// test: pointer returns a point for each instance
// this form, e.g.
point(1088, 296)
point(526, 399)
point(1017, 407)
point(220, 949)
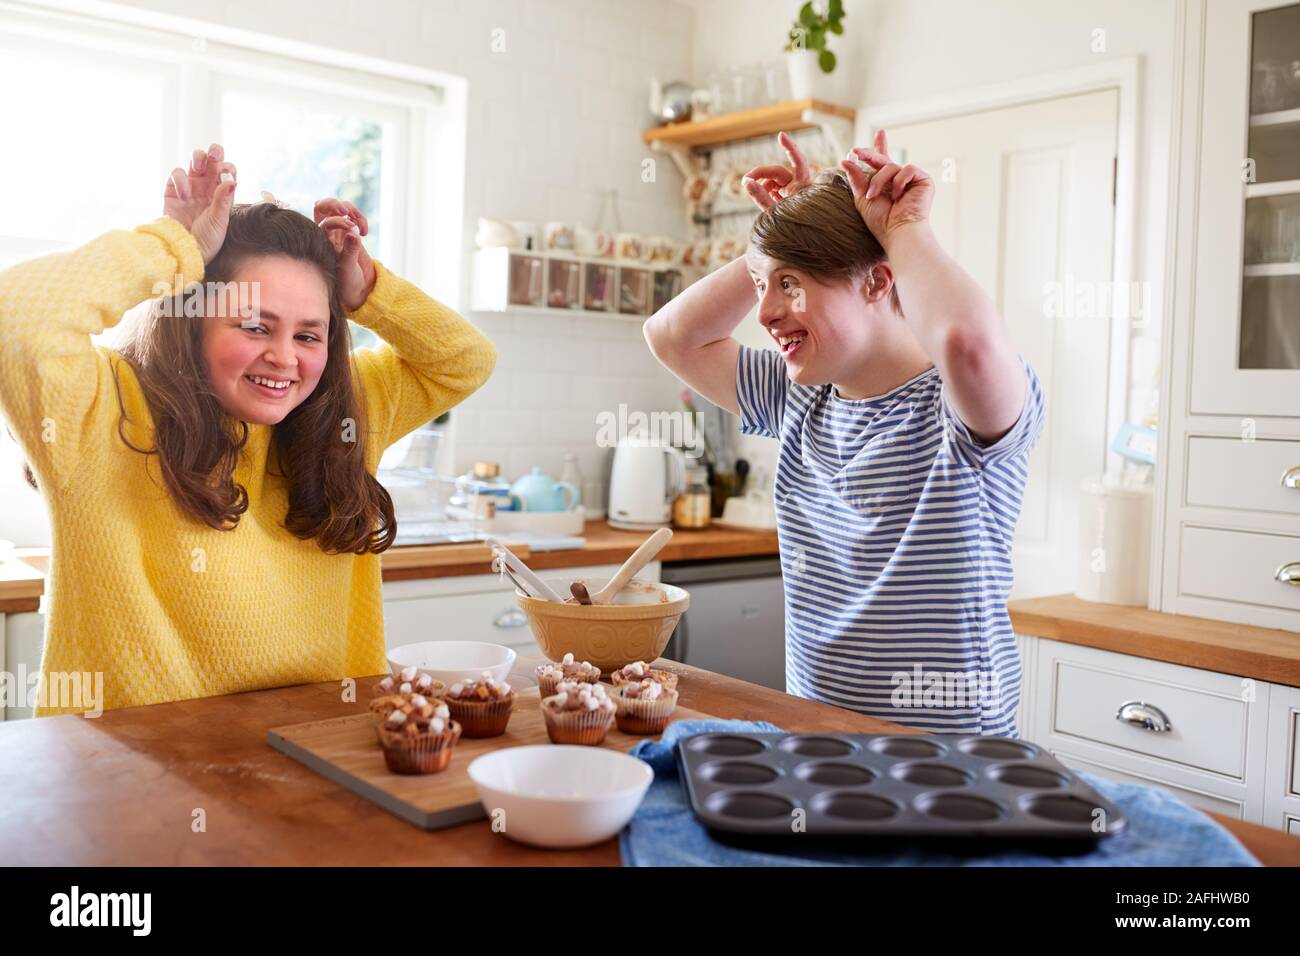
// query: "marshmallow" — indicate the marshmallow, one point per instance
point(418, 700)
point(387, 685)
point(409, 673)
point(437, 725)
point(442, 712)
point(405, 688)
point(456, 688)
point(396, 717)
point(568, 659)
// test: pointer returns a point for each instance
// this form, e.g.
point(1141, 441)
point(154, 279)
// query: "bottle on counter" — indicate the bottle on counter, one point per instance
point(693, 507)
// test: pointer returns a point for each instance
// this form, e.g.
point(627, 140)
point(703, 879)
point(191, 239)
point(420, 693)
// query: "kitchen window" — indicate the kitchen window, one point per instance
point(132, 101)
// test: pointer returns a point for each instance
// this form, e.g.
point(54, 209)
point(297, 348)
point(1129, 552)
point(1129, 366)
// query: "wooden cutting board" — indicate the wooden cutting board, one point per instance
point(346, 750)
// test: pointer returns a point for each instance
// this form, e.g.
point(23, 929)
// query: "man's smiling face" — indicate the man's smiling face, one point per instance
point(820, 326)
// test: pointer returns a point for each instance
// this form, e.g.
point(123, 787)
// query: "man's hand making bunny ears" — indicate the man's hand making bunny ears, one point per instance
point(345, 224)
point(200, 198)
point(888, 196)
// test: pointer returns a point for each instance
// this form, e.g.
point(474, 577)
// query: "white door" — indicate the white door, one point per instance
point(1024, 201)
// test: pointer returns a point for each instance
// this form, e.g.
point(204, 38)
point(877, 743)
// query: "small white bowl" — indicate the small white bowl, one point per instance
point(555, 795)
point(452, 661)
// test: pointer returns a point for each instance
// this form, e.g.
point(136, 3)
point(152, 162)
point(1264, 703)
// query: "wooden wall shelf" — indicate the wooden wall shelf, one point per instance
point(763, 120)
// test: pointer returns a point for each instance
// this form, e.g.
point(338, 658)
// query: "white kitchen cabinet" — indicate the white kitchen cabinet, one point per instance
point(1246, 342)
point(1282, 779)
point(1227, 539)
point(1212, 754)
point(477, 607)
point(21, 638)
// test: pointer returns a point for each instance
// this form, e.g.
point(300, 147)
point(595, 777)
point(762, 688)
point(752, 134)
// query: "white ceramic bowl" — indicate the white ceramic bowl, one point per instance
point(555, 795)
point(451, 661)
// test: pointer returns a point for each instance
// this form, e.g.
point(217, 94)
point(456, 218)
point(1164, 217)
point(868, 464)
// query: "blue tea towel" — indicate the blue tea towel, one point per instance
point(1161, 830)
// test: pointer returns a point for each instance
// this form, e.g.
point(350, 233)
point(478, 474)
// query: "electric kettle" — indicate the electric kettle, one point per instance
point(646, 478)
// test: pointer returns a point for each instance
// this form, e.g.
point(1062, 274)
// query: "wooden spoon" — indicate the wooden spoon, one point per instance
point(640, 558)
point(579, 591)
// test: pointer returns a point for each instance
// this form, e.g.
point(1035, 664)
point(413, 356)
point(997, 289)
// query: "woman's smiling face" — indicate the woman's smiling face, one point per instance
point(263, 367)
point(818, 325)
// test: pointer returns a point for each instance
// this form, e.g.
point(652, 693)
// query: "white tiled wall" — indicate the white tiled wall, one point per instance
point(554, 119)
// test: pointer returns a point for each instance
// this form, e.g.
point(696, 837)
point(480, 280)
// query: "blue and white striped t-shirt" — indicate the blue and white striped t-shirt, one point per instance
point(896, 526)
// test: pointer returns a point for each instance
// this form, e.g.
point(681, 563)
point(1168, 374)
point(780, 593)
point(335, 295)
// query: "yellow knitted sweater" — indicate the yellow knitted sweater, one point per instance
point(164, 606)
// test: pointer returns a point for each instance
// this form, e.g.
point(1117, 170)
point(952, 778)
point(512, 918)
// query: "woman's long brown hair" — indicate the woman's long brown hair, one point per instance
point(332, 497)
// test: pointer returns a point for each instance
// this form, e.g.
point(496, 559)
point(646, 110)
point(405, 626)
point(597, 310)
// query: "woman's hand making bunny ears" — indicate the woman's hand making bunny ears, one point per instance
point(768, 185)
point(344, 225)
point(888, 195)
point(200, 198)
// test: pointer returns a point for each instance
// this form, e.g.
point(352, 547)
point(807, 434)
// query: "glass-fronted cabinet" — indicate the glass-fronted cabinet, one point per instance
point(1246, 347)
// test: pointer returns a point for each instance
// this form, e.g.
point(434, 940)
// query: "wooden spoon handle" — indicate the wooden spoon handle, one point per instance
point(640, 558)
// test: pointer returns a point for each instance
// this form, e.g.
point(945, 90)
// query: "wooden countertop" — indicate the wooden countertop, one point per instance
point(1238, 649)
point(122, 789)
point(22, 582)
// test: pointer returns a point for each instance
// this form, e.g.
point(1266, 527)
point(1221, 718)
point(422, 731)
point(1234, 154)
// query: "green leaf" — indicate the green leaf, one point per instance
point(806, 15)
point(826, 60)
point(817, 39)
point(835, 11)
point(836, 27)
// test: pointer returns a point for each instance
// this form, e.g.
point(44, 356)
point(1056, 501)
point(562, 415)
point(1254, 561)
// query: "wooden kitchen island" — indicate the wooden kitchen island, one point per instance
point(122, 789)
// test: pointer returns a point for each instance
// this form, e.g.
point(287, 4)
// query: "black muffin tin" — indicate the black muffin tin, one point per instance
point(943, 786)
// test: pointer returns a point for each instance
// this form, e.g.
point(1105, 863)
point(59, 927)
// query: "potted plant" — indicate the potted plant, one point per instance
point(807, 57)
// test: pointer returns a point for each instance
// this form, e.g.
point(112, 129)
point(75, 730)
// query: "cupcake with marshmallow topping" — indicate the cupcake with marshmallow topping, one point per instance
point(644, 706)
point(482, 707)
point(638, 671)
point(578, 713)
point(549, 675)
point(410, 681)
point(418, 737)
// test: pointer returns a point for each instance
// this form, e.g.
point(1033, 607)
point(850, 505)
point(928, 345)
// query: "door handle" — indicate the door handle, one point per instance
point(1289, 574)
point(1137, 713)
point(1291, 477)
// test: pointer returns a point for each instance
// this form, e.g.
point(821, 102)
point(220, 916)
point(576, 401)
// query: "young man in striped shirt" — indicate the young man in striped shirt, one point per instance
point(905, 418)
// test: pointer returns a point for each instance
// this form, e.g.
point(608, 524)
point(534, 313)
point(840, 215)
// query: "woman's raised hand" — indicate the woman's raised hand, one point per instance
point(344, 225)
point(768, 185)
point(890, 195)
point(200, 198)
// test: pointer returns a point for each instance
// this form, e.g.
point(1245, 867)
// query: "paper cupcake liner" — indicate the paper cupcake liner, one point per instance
point(586, 727)
point(549, 686)
point(638, 716)
point(667, 678)
point(426, 753)
point(481, 718)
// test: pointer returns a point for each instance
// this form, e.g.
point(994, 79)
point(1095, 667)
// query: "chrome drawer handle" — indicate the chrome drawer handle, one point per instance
point(1146, 716)
point(1291, 477)
point(512, 617)
point(1289, 574)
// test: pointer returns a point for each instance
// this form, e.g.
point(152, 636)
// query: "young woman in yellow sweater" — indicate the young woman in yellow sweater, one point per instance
point(216, 519)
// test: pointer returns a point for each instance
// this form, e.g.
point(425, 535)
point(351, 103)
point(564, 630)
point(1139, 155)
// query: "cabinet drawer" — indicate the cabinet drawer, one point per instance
point(1208, 726)
point(1293, 731)
point(1238, 566)
point(1244, 475)
point(1195, 798)
point(492, 617)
